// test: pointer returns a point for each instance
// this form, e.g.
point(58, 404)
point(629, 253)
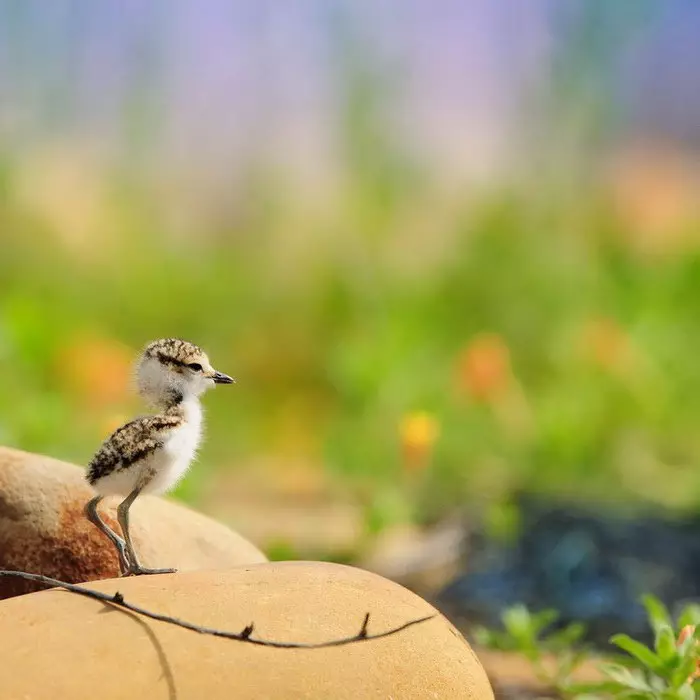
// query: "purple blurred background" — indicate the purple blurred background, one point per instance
point(227, 82)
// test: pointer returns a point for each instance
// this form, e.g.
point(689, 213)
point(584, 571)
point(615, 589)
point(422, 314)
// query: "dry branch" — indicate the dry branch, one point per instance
point(245, 635)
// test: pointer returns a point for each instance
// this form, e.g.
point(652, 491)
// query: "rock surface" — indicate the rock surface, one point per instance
point(43, 529)
point(58, 644)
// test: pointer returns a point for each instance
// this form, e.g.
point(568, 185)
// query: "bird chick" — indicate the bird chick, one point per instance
point(152, 453)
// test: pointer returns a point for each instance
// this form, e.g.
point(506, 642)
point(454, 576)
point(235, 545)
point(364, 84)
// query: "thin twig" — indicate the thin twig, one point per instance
point(245, 635)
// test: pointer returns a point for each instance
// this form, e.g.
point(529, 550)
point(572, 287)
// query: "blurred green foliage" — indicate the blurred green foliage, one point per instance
point(600, 388)
point(668, 669)
point(422, 353)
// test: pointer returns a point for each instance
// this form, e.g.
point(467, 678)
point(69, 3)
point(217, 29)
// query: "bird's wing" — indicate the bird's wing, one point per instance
point(131, 443)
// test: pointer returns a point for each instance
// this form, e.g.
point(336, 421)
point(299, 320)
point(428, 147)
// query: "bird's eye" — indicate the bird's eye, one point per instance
point(195, 366)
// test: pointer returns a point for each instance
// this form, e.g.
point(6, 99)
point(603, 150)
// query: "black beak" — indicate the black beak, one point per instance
point(220, 378)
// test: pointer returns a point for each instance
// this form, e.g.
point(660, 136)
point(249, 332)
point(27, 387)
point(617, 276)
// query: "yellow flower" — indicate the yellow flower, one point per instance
point(418, 432)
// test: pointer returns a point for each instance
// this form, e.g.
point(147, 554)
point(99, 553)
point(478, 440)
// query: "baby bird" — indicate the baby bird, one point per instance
point(152, 453)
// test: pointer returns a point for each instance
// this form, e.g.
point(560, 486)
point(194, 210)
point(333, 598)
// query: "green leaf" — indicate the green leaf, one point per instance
point(518, 622)
point(483, 636)
point(630, 679)
point(638, 650)
point(492, 639)
point(543, 619)
point(686, 692)
point(688, 646)
point(665, 643)
point(681, 674)
point(527, 626)
point(604, 688)
point(657, 684)
point(657, 612)
point(566, 637)
point(689, 616)
point(568, 661)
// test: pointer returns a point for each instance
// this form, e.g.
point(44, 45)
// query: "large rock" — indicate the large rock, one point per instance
point(43, 528)
point(60, 645)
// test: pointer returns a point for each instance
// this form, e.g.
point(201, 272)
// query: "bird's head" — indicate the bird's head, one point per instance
point(172, 370)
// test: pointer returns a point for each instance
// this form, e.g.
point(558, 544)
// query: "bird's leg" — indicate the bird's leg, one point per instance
point(94, 517)
point(135, 568)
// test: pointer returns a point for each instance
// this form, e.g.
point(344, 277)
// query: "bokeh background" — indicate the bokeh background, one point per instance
point(450, 250)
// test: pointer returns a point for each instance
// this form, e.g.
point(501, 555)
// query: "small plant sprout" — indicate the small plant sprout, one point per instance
point(666, 671)
point(554, 655)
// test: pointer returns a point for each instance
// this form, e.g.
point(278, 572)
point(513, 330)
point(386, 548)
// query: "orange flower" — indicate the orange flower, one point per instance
point(95, 369)
point(483, 368)
point(418, 433)
point(654, 191)
point(686, 632)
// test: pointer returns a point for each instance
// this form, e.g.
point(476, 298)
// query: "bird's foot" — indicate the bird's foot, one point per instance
point(124, 563)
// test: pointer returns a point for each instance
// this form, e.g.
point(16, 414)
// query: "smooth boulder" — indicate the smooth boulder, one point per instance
point(58, 644)
point(43, 528)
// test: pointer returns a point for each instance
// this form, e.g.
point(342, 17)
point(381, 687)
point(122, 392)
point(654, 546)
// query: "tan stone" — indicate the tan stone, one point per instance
point(43, 529)
point(55, 644)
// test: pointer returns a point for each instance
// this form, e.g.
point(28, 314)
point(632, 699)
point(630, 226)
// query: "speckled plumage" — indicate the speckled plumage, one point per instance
point(152, 453)
point(132, 443)
point(175, 351)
